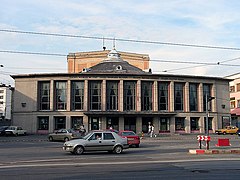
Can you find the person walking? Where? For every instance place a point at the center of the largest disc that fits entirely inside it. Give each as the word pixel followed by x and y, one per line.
pixel 152 131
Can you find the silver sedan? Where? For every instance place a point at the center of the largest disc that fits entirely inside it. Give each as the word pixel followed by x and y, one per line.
pixel 97 141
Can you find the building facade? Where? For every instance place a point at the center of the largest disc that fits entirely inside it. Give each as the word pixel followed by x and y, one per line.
pixel 118 94
pixel 5 104
pixel 235 99
pixel 77 62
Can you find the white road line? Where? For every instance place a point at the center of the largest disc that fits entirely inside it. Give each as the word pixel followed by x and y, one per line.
pixel 114 163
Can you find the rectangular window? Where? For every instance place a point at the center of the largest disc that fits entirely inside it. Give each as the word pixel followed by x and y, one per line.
pixel 60 123
pixel 77 122
pixel 77 95
pixel 44 95
pixel 163 96
pixel 194 123
pixel 146 96
pixel 43 123
pixel 232 89
pixel 238 87
pixel 112 95
pixel 95 95
pixel 178 96
pixel 206 92
pixel 129 95
pixel 130 123
pixel 1 91
pixel 61 95
pixel 180 124
pixel 193 97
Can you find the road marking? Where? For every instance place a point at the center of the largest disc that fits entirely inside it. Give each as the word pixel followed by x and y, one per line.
pixel 115 163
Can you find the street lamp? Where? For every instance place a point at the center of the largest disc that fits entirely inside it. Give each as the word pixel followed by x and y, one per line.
pixel 208 99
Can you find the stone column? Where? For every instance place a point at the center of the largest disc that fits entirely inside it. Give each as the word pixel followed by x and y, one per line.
pixel 104 92
pixel 85 95
pixel 68 122
pixel 138 124
pixel 52 99
pixel 186 97
pixel 213 102
pixel 200 97
pixel 69 95
pixel 156 125
pixel 121 123
pixel 120 97
pixel 138 96
pixel 51 123
pixel 187 124
pixel 155 96
pixel 172 124
pixel 171 97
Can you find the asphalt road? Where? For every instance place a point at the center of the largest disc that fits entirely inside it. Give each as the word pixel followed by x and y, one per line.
pixel 33 157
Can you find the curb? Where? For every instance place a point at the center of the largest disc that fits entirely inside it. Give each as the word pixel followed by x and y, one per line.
pixel 214 151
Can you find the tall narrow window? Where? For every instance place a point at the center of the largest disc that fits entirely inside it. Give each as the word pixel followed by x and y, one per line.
pixel 112 95
pixel 193 100
pixel 206 92
pixel 95 95
pixel 77 95
pixel 61 95
pixel 60 122
pixel 146 96
pixel 44 95
pixel 163 96
pixel 178 97
pixel 129 98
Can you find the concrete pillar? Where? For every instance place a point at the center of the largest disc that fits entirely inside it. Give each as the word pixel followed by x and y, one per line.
pixel 138 125
pixel 68 95
pixel 51 124
pixel 138 96
pixel 201 124
pixel 200 97
pixel 52 106
pixel 104 123
pixel 213 102
pixel 121 123
pixel 172 124
pixel 85 95
pixel 120 96
pixel 86 123
pixel 186 97
pixel 171 97
pixel 156 124
pixel 68 122
pixel 155 96
pixel 104 92
pixel 187 124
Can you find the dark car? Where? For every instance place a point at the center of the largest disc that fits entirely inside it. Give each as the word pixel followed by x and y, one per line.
pixel 238 132
pixel 2 130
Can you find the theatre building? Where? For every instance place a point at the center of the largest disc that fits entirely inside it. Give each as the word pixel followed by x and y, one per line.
pixel 118 94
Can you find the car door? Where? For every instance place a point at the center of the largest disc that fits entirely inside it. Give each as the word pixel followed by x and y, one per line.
pixel 20 131
pixel 108 141
pixel 94 142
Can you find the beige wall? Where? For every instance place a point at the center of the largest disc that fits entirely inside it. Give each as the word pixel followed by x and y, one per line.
pixel 26 92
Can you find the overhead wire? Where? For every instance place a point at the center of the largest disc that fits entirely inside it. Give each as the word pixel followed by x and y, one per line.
pixel 119 39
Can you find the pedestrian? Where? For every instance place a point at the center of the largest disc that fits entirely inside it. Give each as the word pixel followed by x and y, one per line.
pixel 152 131
pixel 82 130
pixel 149 128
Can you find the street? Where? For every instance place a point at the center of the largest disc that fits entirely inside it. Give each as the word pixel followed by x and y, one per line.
pixel 33 157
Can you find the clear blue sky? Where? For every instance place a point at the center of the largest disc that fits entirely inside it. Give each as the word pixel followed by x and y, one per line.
pixel 200 22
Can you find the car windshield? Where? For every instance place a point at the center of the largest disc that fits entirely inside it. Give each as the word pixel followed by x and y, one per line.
pixel 11 128
pixel 130 133
pixel 87 136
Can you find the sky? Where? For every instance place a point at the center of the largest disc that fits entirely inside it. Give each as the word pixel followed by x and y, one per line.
pixel 214 23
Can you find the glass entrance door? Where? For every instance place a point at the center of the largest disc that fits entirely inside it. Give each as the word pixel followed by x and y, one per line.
pixel 94 123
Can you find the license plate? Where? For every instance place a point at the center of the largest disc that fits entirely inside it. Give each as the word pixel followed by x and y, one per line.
pixel 130 139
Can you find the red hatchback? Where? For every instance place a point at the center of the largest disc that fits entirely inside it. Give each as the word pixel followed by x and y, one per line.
pixel 133 138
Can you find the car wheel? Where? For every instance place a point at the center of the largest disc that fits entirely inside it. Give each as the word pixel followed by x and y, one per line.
pixel 224 133
pixel 78 150
pixel 16 134
pixel 50 138
pixel 66 139
pixel 118 149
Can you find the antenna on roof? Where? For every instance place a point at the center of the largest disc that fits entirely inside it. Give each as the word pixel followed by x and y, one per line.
pixel 114 45
pixel 104 47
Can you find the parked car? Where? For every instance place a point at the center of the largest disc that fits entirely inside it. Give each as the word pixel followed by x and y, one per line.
pixel 63 135
pixel 227 130
pixel 132 137
pixel 238 132
pixel 97 141
pixel 15 130
pixel 2 130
